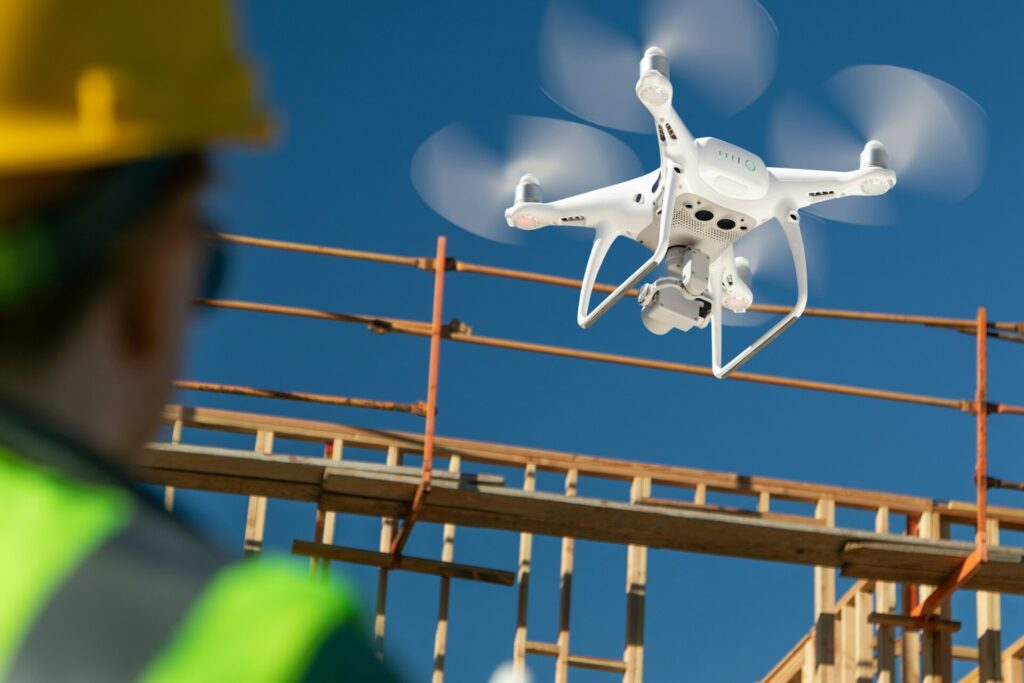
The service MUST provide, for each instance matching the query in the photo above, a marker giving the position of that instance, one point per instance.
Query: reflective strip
(112, 616)
(48, 524)
(259, 620)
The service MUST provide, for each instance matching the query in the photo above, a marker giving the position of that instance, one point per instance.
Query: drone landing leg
(606, 235)
(790, 221)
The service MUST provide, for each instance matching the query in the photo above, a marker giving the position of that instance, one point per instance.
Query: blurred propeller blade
(591, 69)
(935, 135)
(471, 184)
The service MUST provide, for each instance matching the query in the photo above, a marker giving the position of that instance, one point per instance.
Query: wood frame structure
(863, 635)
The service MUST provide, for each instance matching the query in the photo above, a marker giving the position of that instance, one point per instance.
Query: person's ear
(139, 308)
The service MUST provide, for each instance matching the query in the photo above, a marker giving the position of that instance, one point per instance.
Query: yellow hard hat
(91, 82)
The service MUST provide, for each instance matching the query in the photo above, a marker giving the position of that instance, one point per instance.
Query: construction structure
(894, 624)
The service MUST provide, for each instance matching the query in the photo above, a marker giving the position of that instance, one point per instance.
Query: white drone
(707, 194)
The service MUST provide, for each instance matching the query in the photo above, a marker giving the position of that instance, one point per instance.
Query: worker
(107, 111)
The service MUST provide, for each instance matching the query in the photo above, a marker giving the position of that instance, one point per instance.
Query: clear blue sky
(360, 85)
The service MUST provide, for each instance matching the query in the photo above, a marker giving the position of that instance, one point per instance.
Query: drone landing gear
(790, 222)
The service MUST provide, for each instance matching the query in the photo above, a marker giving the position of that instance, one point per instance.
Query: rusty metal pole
(981, 411)
(436, 328)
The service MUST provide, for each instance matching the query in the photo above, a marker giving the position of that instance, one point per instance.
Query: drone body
(705, 195)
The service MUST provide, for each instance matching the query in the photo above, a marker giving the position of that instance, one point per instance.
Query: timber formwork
(865, 635)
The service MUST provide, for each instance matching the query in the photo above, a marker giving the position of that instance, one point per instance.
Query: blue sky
(358, 86)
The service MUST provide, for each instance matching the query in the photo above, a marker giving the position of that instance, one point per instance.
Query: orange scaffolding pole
(436, 329)
(978, 556)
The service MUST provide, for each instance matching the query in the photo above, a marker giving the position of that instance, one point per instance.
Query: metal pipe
(457, 332)
(436, 335)
(394, 259)
(418, 408)
(981, 413)
(423, 263)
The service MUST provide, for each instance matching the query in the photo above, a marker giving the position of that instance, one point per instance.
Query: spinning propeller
(934, 135)
(470, 184)
(586, 65)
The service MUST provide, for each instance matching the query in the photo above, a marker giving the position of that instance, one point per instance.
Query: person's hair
(66, 236)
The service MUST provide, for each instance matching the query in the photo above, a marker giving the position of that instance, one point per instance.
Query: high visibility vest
(97, 583)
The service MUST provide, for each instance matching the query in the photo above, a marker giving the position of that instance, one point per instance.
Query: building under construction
(894, 624)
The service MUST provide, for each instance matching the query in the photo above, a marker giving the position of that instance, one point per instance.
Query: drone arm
(805, 187)
(603, 240)
(790, 222)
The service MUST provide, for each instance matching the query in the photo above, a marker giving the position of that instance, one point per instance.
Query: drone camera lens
(726, 224)
(703, 215)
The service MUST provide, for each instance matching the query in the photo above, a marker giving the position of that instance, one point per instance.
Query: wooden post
(936, 646)
(565, 596)
(447, 555)
(523, 578)
(700, 494)
(885, 603)
(256, 516)
(989, 624)
(169, 490)
(636, 593)
(323, 529)
(387, 532)
(824, 605)
(764, 502)
(864, 667)
(807, 672)
(846, 645)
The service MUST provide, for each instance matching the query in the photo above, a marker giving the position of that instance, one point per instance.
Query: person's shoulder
(266, 620)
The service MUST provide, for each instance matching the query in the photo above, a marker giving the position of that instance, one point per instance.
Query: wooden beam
(447, 555)
(636, 595)
(860, 554)
(418, 565)
(256, 513)
(534, 647)
(519, 645)
(989, 624)
(885, 603)
(910, 623)
(387, 532)
(824, 605)
(724, 509)
(565, 590)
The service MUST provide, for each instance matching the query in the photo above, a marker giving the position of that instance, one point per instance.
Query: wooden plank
(418, 565)
(534, 647)
(477, 451)
(965, 653)
(909, 623)
(519, 645)
(626, 470)
(791, 667)
(758, 514)
(929, 564)
(860, 554)
(277, 466)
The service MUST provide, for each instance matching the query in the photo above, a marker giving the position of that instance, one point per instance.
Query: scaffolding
(865, 634)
